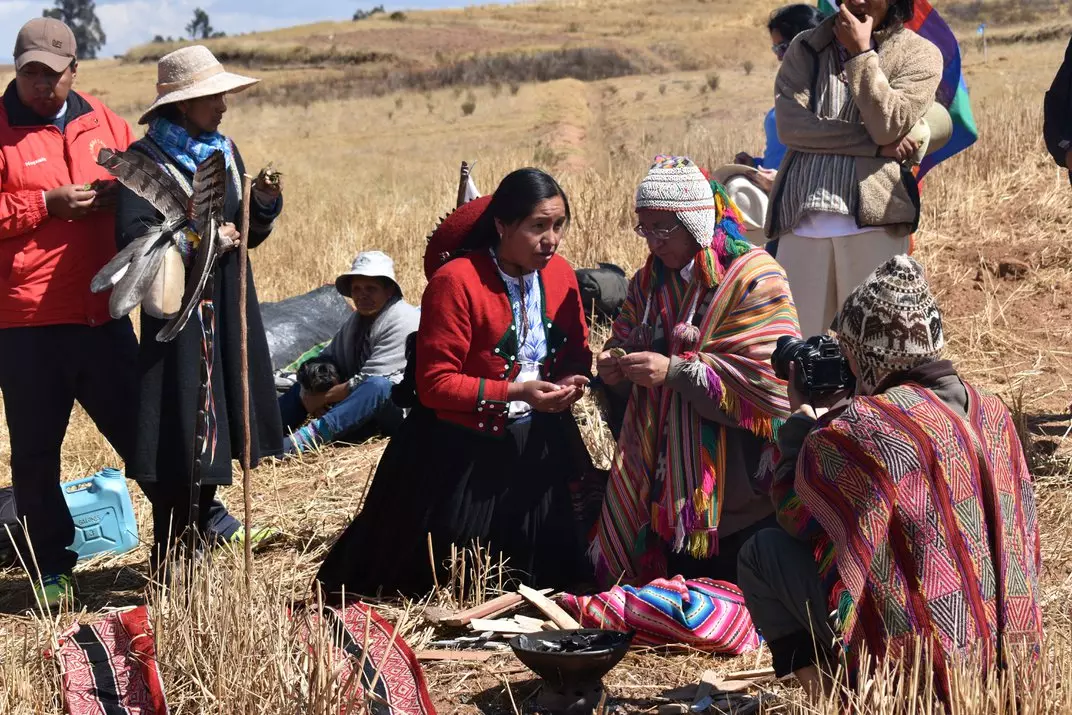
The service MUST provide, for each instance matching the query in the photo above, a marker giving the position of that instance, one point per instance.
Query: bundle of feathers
(150, 270)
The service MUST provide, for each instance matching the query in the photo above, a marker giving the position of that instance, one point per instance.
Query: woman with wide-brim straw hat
(183, 130)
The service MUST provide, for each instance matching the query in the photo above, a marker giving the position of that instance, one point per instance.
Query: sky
(128, 23)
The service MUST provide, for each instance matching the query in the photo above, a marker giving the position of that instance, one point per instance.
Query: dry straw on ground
(366, 172)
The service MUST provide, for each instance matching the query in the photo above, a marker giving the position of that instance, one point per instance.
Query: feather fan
(140, 174)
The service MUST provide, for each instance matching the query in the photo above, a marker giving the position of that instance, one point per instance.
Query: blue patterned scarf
(186, 150)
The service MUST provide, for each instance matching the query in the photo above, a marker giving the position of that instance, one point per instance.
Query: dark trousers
(782, 589)
(723, 565)
(43, 370)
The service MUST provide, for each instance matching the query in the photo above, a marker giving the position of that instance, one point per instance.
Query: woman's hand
(812, 406)
(744, 158)
(646, 369)
(268, 186)
(852, 32)
(608, 368)
(764, 179)
(543, 396)
(901, 150)
(229, 238)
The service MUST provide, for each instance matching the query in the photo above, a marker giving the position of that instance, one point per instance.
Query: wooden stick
(498, 606)
(502, 625)
(549, 608)
(751, 674)
(478, 656)
(243, 353)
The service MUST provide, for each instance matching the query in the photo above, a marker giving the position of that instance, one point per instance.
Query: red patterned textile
(109, 668)
(381, 673)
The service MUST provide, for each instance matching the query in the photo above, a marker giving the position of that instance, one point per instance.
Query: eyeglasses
(655, 234)
(780, 49)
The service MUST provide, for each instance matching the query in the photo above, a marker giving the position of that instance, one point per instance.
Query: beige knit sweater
(892, 87)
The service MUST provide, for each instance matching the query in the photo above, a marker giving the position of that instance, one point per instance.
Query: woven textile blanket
(703, 614)
(110, 667)
(380, 674)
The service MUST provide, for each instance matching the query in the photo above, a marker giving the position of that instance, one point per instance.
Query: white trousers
(823, 271)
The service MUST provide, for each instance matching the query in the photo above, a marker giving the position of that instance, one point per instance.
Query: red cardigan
(467, 345)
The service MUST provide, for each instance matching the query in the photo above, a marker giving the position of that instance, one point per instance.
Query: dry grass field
(369, 132)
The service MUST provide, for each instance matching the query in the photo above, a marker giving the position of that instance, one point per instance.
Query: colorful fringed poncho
(668, 476)
(910, 509)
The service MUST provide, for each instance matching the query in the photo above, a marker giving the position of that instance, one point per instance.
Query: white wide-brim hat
(372, 264)
(189, 73)
(750, 199)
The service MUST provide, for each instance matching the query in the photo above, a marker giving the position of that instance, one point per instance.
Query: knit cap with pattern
(891, 322)
(676, 184)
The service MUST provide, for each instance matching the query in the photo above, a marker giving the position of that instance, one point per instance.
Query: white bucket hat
(374, 264)
(749, 198)
(192, 72)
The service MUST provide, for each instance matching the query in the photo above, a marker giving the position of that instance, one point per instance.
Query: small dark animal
(318, 376)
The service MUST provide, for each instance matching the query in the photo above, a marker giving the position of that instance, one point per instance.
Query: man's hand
(313, 403)
(107, 194)
(646, 369)
(338, 393)
(70, 202)
(608, 368)
(900, 150)
(852, 32)
(812, 406)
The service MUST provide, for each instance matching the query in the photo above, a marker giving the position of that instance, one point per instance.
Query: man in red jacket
(58, 343)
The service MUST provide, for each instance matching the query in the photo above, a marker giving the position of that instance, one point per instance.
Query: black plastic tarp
(294, 325)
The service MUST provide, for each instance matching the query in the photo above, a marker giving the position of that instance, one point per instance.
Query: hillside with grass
(369, 120)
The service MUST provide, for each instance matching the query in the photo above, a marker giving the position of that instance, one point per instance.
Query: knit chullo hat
(891, 322)
(676, 184)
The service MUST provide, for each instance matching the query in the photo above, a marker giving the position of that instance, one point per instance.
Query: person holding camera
(691, 352)
(907, 513)
(847, 98)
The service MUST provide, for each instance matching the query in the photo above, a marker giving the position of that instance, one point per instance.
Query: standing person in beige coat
(847, 97)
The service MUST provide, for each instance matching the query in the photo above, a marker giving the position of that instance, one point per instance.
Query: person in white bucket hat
(183, 130)
(368, 354)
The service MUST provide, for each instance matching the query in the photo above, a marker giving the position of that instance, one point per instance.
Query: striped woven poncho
(667, 479)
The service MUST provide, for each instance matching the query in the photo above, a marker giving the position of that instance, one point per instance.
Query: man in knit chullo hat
(896, 510)
(691, 352)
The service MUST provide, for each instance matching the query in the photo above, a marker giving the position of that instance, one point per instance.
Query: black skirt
(510, 493)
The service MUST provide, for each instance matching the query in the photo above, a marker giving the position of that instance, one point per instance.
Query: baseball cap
(45, 40)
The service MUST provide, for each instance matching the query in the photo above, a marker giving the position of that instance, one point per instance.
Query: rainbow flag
(952, 92)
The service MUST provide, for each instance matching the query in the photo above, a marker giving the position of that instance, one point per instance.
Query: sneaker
(53, 590)
(259, 536)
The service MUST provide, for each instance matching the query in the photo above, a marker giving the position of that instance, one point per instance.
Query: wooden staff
(243, 354)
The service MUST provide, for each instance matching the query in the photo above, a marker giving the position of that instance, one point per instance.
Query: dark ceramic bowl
(568, 659)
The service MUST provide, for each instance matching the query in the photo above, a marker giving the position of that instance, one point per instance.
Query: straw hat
(192, 72)
(750, 199)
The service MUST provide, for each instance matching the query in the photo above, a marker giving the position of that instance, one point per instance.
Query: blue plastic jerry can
(103, 514)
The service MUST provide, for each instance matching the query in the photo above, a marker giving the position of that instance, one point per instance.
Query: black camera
(821, 368)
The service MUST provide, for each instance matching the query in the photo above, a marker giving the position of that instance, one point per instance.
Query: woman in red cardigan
(489, 451)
